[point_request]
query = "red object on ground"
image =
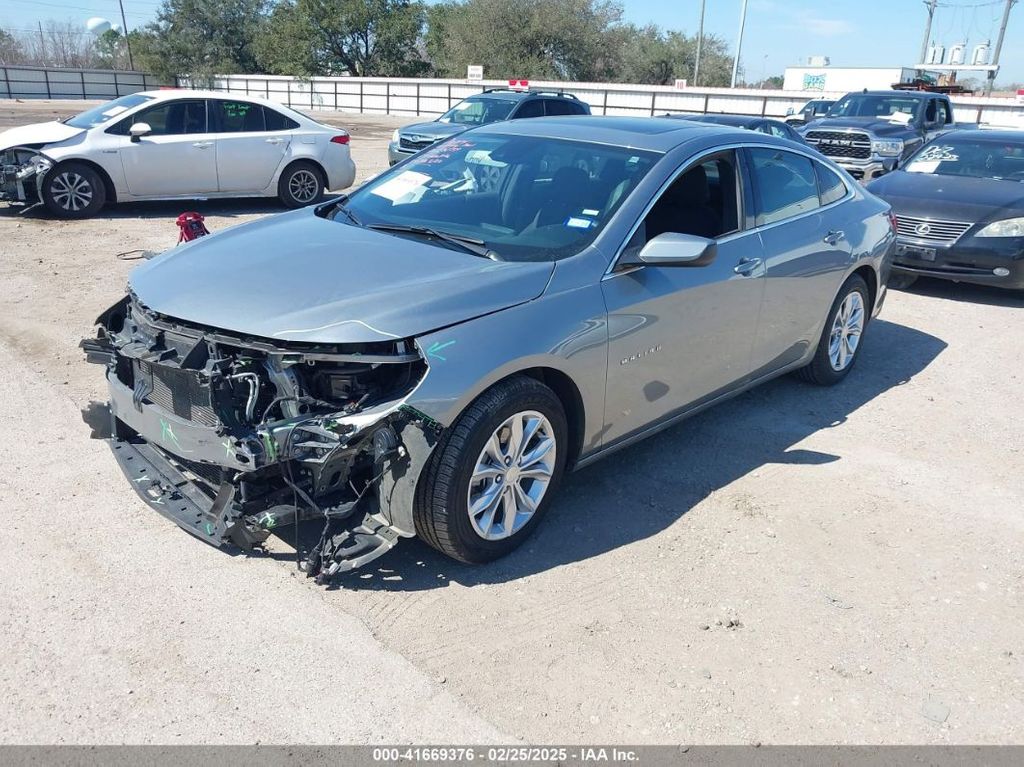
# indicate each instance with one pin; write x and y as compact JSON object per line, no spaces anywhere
{"x":191,"y":226}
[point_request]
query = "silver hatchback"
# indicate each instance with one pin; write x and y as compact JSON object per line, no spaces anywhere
{"x":428,"y":356}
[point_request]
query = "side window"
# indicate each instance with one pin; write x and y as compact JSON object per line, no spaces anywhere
{"x":277,"y":121}
{"x":236,"y":116}
{"x":555,"y":107}
{"x":784,"y":183}
{"x":777,"y":130}
{"x":944,"y":117}
{"x":831,"y":188}
{"x":533,"y":108}
{"x":172,"y":118}
{"x":703,"y":201}
{"x":930,"y":111}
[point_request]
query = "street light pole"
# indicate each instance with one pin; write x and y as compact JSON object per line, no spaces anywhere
{"x":700,"y":43}
{"x":739,"y":44}
{"x":127,"y":43}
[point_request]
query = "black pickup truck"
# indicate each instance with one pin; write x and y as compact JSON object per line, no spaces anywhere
{"x":869,"y":133}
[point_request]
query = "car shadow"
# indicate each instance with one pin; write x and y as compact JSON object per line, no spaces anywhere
{"x":961,"y":291}
{"x":163,"y":209}
{"x":641,"y":490}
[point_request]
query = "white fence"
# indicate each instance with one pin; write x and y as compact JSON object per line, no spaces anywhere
{"x":66,"y":83}
{"x":408,"y":96}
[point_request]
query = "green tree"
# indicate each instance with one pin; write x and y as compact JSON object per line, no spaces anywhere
{"x":652,"y":56}
{"x":363,"y":38}
{"x":201,"y":38}
{"x":539,"y":39}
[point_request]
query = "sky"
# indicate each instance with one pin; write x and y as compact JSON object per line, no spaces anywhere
{"x":779,"y":33}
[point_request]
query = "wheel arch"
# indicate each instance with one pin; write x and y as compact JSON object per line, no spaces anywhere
{"x":867,"y":273}
{"x":305,"y":160}
{"x":108,"y":183}
{"x":572,"y":403}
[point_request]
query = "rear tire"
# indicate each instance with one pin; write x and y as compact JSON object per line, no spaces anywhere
{"x":840,"y":342}
{"x":901,"y":281}
{"x":472,"y":464}
{"x":301,"y":184}
{"x":73,"y":190}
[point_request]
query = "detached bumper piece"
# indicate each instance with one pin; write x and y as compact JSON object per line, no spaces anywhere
{"x":232,"y":438}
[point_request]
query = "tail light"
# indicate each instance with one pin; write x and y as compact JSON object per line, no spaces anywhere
{"x":342,"y":139}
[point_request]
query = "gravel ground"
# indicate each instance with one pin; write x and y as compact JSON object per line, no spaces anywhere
{"x":799,"y":565}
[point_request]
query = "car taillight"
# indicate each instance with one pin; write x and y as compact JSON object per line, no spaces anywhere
{"x":343,"y":139}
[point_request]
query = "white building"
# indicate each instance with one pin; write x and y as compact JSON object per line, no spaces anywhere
{"x":845,"y":79}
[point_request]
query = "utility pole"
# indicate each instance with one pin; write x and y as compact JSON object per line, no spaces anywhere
{"x":739,"y":44}
{"x":128,"y":45}
{"x":999,"y":46}
{"x":42,"y":45}
{"x":930,"y":4}
{"x":700,"y":43}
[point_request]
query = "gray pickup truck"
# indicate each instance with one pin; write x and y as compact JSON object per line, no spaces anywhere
{"x":869,"y":133}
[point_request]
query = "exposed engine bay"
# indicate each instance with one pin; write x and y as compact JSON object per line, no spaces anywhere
{"x":233,"y":437}
{"x":22,"y":170}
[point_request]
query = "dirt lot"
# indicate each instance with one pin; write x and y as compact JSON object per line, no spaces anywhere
{"x":797,"y":566}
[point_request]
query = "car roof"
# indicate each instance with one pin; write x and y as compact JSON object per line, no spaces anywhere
{"x":164,"y":94}
{"x":740,"y":121}
{"x":509,"y":94}
{"x":652,"y":134}
{"x":986,"y":135}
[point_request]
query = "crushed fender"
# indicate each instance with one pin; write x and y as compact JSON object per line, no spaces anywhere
{"x":22,"y":170}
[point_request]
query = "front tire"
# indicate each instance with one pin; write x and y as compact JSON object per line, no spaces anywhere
{"x":491,"y":478}
{"x":74,"y":190}
{"x":301,"y":184}
{"x":841,"y":337}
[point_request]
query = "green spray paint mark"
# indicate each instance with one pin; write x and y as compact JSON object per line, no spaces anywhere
{"x":270,"y":445}
{"x":229,"y":449}
{"x":434,"y":348}
{"x":269,"y":521}
{"x":209,"y":529}
{"x":167,"y":434}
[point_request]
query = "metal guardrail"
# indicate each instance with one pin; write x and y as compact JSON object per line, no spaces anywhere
{"x":26,"y":82}
{"x":429,"y":97}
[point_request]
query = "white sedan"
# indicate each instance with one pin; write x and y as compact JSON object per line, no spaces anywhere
{"x":173,"y":144}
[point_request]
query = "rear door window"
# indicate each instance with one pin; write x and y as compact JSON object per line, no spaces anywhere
{"x":556,"y":107}
{"x":277,"y":121}
{"x":533,"y":108}
{"x":831,"y":188}
{"x":237,"y":116}
{"x":785,"y":185}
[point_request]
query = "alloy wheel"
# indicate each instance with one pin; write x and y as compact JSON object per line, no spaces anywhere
{"x":71,"y":191}
{"x":303,"y":186}
{"x":511,"y":475}
{"x":847,"y":328}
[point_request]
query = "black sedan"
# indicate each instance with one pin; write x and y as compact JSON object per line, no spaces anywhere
{"x":959,"y":207}
{"x":749,"y":122}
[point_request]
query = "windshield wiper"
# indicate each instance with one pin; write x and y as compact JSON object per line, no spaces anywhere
{"x":468,"y":244}
{"x":342,"y":205}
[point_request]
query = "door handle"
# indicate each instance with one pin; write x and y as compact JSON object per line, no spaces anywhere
{"x":202,"y":144}
{"x":747,"y":266}
{"x":834,"y":237}
{"x":275,"y":140}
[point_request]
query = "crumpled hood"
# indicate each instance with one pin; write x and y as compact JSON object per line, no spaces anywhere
{"x":431,"y":130}
{"x":299,"y":277}
{"x":37,"y":133}
{"x":954,"y":198}
{"x":878,"y":127}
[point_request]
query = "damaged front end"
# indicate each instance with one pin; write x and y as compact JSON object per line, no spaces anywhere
{"x":22,"y":170}
{"x":232,"y":437}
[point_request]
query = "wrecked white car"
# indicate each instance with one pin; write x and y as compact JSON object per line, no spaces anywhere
{"x":172,"y":144}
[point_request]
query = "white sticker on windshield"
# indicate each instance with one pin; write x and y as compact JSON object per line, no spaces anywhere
{"x":589,"y":212}
{"x":401,"y":185}
{"x":115,"y":111}
{"x":900,"y":117}
{"x":579,"y":223}
{"x":462,"y":105}
{"x":923,"y":166}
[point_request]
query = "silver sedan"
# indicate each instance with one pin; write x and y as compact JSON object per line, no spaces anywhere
{"x":428,"y":356}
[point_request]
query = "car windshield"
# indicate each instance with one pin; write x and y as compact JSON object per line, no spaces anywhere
{"x":523,"y":198}
{"x":977,"y":158}
{"x":875,"y":105}
{"x":478,"y":111}
{"x":90,"y":118}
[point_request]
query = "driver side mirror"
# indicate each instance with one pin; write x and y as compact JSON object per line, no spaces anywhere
{"x":790,"y":111}
{"x":138,"y":130}
{"x":673,"y":249}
